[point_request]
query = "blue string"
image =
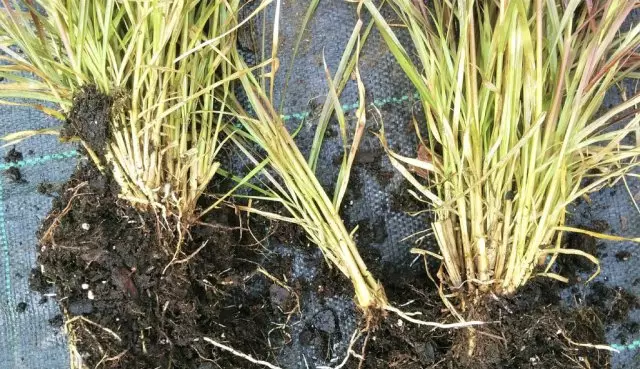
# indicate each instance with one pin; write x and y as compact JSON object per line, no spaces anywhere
{"x":631,"y":346}
{"x":40,"y":160}
{"x":7,"y":273}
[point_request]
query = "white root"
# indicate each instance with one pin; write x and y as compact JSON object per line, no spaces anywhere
{"x":240,"y":354}
{"x":588,"y":345}
{"x":407,"y":317}
{"x":354,"y":338}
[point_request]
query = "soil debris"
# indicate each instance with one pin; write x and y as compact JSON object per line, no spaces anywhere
{"x":612,"y":304}
{"x":575,"y":266}
{"x":623,"y":255}
{"x":371,"y":230}
{"x":22,"y":307}
{"x":13,"y":156}
{"x":15,"y":175}
{"x":38,"y":282}
{"x":111,"y":273}
{"x":57,"y":321}
{"x":530,"y":329}
{"x":89,"y":118}
{"x":46,"y":188}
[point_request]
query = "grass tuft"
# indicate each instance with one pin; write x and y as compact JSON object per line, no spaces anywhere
{"x":512,"y":95}
{"x":170,"y":108}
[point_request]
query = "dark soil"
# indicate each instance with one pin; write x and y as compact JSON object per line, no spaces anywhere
{"x":22,"y":307}
{"x":106,"y":261}
{"x":57,"y":321}
{"x":613,"y":304}
{"x":623,"y":255}
{"x":529,"y":330}
{"x":13,"y":156}
{"x":46,"y":188}
{"x":576,"y":266}
{"x":15,"y":175}
{"x":89,"y":118}
{"x":403,"y":201}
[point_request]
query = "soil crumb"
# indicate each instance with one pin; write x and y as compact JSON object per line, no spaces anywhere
{"x":612,"y":304}
{"x":107,"y":261}
{"x":46,"y":188}
{"x":13,"y":156}
{"x":22,"y":307}
{"x":15,"y":175}
{"x":38,"y":282}
{"x":56,"y":321}
{"x":623,"y":255}
{"x":89,"y":118}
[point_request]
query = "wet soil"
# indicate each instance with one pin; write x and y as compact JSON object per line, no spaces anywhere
{"x":89,"y":118}
{"x":576,"y":267}
{"x":14,"y":175}
{"x":107,"y":260}
{"x":528,"y":330}
{"x":13,"y":156}
{"x":107,"y":263}
{"x":613,"y":304}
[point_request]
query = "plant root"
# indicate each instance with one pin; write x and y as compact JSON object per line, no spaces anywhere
{"x":407,"y":317}
{"x":240,"y":354}
{"x":109,"y":331}
{"x":354,"y":338}
{"x":588,"y":345}
{"x":47,"y":237}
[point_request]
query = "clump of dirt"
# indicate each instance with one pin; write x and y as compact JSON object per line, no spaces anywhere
{"x":89,"y":118}
{"x":15,"y":175}
{"x":38,"y":282}
{"x":108,"y":262}
{"x":22,"y":307}
{"x":288,"y":233}
{"x":322,"y":331}
{"x":330,"y":282}
{"x":46,"y":188}
{"x":371,"y":157}
{"x":395,"y":343}
{"x":57,"y":321}
{"x":623,"y":255}
{"x":612,"y":304}
{"x":13,"y":156}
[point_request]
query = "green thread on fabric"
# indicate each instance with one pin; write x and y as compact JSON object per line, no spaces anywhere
{"x":40,"y":160}
{"x":631,"y":346}
{"x":354,"y":106}
{"x":5,"y":248}
{"x":298,"y":116}
{"x":4,"y":241}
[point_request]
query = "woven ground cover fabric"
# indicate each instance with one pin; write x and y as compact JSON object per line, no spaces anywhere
{"x":30,"y":335}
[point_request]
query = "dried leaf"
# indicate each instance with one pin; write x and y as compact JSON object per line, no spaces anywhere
{"x":424,"y":155}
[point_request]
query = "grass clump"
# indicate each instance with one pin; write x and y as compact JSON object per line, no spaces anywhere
{"x":168,"y":103}
{"x":512,"y":99}
{"x":288,"y":178}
